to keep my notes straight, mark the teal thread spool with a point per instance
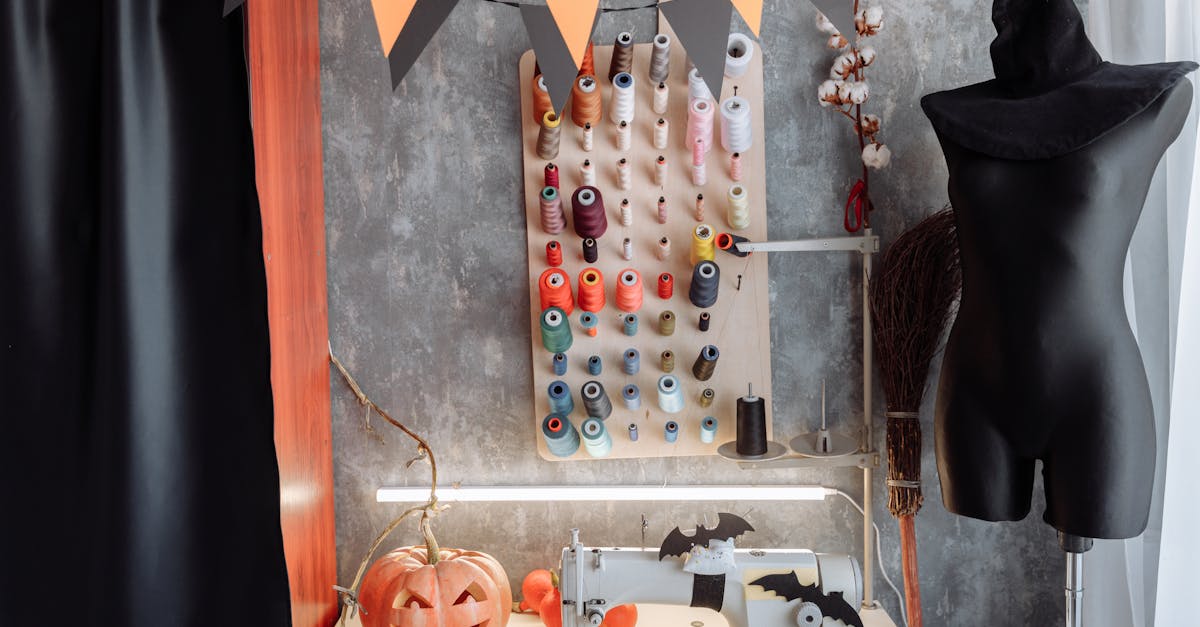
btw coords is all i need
(559, 361)
(556, 331)
(671, 431)
(670, 395)
(561, 402)
(596, 439)
(631, 324)
(632, 362)
(561, 437)
(595, 365)
(589, 322)
(708, 429)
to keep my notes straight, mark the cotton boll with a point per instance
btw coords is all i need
(837, 42)
(874, 17)
(876, 156)
(869, 21)
(843, 92)
(824, 25)
(870, 124)
(866, 56)
(843, 66)
(827, 93)
(859, 92)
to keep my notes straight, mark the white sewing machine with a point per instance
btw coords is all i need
(594, 580)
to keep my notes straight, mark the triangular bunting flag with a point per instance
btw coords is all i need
(751, 11)
(230, 5)
(703, 29)
(841, 13)
(390, 17)
(575, 19)
(558, 70)
(421, 21)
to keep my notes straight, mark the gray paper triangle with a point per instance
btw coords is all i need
(553, 57)
(424, 20)
(841, 13)
(703, 30)
(230, 5)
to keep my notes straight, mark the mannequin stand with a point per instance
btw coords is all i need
(1074, 546)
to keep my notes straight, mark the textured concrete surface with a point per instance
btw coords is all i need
(428, 300)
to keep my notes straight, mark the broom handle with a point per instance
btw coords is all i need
(908, 558)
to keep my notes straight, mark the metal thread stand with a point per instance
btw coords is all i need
(1074, 547)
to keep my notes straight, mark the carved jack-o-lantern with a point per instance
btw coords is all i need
(463, 589)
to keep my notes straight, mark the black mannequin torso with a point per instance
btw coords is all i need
(1041, 363)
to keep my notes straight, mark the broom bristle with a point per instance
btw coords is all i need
(912, 299)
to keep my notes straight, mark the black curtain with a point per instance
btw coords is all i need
(137, 460)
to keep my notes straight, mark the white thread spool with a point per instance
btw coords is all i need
(697, 88)
(624, 175)
(738, 54)
(700, 124)
(664, 248)
(660, 171)
(737, 134)
(670, 394)
(587, 173)
(622, 107)
(662, 95)
(587, 137)
(624, 136)
(626, 213)
(662, 130)
(739, 207)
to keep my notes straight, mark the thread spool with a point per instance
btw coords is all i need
(708, 430)
(626, 212)
(589, 139)
(622, 56)
(554, 256)
(556, 332)
(595, 365)
(629, 290)
(666, 361)
(587, 172)
(666, 323)
(660, 59)
(697, 88)
(737, 134)
(590, 291)
(627, 249)
(706, 279)
(559, 364)
(590, 323)
(699, 170)
(662, 97)
(621, 105)
(662, 210)
(595, 400)
(666, 285)
(624, 136)
(562, 440)
(554, 219)
(739, 207)
(591, 250)
(561, 402)
(700, 123)
(662, 131)
(705, 319)
(671, 431)
(707, 395)
(596, 440)
(632, 396)
(670, 394)
(587, 206)
(554, 290)
(624, 175)
(735, 167)
(632, 361)
(588, 67)
(706, 363)
(629, 322)
(660, 171)
(548, 136)
(751, 425)
(702, 244)
(728, 243)
(551, 175)
(633, 432)
(541, 98)
(664, 248)
(699, 208)
(738, 54)
(585, 101)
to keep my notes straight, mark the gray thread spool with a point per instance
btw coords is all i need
(660, 58)
(706, 279)
(595, 400)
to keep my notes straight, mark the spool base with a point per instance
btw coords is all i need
(807, 445)
(728, 450)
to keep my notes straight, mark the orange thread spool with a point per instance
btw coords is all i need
(629, 290)
(586, 101)
(554, 290)
(666, 285)
(553, 255)
(589, 63)
(591, 290)
(541, 99)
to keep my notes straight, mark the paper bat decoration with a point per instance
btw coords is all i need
(832, 605)
(728, 527)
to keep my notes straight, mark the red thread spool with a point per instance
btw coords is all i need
(591, 290)
(629, 290)
(587, 207)
(554, 290)
(553, 255)
(551, 175)
(666, 285)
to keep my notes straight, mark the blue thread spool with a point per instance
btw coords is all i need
(708, 429)
(596, 439)
(671, 431)
(631, 324)
(633, 434)
(561, 402)
(632, 396)
(561, 437)
(556, 331)
(559, 361)
(589, 322)
(633, 361)
(594, 365)
(670, 395)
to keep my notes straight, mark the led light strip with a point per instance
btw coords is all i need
(609, 493)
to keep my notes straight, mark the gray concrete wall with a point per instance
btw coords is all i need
(429, 304)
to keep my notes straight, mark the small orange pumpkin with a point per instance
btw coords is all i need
(537, 584)
(550, 609)
(463, 589)
(621, 616)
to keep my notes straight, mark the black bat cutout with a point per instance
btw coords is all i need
(728, 526)
(832, 605)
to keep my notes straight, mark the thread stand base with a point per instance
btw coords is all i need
(824, 444)
(775, 450)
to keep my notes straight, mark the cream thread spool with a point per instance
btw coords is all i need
(738, 53)
(587, 137)
(660, 171)
(699, 173)
(737, 134)
(697, 88)
(664, 248)
(662, 95)
(627, 249)
(621, 108)
(624, 174)
(662, 210)
(626, 213)
(660, 59)
(662, 130)
(624, 139)
(587, 173)
(739, 207)
(699, 208)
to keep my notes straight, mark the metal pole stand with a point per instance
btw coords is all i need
(1075, 547)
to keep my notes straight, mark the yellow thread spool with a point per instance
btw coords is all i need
(702, 244)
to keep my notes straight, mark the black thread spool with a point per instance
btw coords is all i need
(587, 212)
(706, 278)
(595, 400)
(705, 320)
(751, 425)
(591, 251)
(706, 363)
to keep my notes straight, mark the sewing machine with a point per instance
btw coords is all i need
(594, 580)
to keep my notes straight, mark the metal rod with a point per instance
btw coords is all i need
(865, 243)
(1074, 590)
(869, 245)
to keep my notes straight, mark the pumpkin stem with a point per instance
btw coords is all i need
(554, 579)
(431, 544)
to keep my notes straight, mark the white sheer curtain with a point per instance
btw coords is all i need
(1149, 581)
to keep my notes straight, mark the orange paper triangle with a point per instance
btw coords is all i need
(575, 19)
(751, 11)
(390, 17)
